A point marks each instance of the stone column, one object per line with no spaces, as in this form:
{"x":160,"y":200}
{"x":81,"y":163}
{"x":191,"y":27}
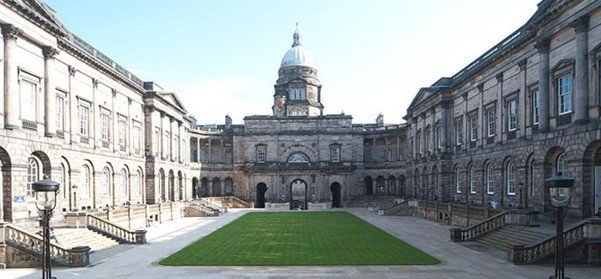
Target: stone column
{"x":523,"y":114}
{"x":12,"y":107}
{"x":73,"y":108}
{"x":433,"y":131}
{"x":500,"y":128}
{"x":162,"y":137}
{"x":581,"y":92}
{"x":49,"y":94}
{"x":171,"y":137}
{"x":198,"y":149}
{"x":543,"y":84}
{"x":444,"y":127}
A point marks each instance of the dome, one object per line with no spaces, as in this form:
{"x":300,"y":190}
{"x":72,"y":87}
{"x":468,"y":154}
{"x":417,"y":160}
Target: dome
{"x":298,"y":55}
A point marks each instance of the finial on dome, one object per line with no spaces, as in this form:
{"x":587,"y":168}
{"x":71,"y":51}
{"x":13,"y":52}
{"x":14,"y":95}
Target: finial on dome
{"x":296,"y":37}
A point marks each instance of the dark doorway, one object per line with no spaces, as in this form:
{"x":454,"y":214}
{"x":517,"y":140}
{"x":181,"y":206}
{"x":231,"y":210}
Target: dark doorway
{"x":261,"y":189}
{"x":335,"y":188}
{"x":195,"y":188}
{"x":369,"y":186}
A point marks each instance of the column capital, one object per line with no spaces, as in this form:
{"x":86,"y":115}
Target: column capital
{"x":499,"y":76}
{"x":49,"y":52}
{"x":72,"y":71}
{"x":95,"y":82}
{"x":522,"y":64}
{"x":10,"y":31}
{"x":542,"y":44}
{"x":580,"y":24}
{"x":480,"y":87}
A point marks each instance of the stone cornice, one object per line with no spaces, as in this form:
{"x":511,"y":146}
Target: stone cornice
{"x":68,"y":47}
{"x":35,"y":18}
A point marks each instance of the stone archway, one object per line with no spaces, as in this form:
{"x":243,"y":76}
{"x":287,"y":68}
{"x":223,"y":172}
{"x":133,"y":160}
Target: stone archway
{"x":336,"y":194}
{"x":591,"y":180}
{"x":260,"y":201}
{"x":5,"y":182}
{"x":216,"y":188}
{"x":298,"y":194}
{"x":195,"y":188}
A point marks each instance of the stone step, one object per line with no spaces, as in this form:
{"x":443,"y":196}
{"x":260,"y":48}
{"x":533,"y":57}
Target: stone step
{"x":70,"y":237}
{"x":507,"y":236}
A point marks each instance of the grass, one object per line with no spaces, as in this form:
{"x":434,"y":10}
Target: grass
{"x":298,"y":238}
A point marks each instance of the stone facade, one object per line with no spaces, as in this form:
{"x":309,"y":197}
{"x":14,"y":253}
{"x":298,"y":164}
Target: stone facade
{"x":490,"y":134}
{"x":526,"y":109}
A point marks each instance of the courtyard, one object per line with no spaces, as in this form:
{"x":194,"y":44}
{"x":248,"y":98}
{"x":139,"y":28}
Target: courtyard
{"x":300,"y":239}
{"x":457,"y":261}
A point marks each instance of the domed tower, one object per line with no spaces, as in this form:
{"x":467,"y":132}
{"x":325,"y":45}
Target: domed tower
{"x":297,"y":90}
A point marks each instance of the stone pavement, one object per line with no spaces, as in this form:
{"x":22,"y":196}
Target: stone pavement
{"x":458,"y":261}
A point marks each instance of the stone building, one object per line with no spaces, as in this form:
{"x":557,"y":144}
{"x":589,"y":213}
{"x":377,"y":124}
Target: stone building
{"x":298,"y":155}
{"x":78,"y":117}
{"x":525,"y":109}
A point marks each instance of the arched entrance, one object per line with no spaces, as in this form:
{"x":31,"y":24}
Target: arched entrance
{"x":5,"y":183}
{"x":204,"y":187}
{"x":591,"y":180}
{"x":335,"y":188}
{"x":298,"y":194}
{"x":380,"y":185}
{"x":261,"y":189}
{"x":216,"y":191}
{"x":369,"y":187}
{"x":195,"y":188}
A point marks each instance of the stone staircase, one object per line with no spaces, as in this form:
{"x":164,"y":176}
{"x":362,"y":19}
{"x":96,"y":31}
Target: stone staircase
{"x":72,"y":237}
{"x":507,"y":236}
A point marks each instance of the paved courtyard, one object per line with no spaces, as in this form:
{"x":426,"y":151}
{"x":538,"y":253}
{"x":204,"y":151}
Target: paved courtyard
{"x":458,"y":261}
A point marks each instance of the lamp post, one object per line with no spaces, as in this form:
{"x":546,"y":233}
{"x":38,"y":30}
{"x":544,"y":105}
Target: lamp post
{"x":45,"y":195}
{"x":560,"y":190}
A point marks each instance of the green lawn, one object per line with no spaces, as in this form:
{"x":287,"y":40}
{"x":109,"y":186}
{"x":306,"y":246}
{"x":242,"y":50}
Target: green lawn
{"x":298,"y":238}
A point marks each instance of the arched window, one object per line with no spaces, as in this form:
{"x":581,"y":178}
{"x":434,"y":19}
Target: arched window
{"x":531,"y":177}
{"x":86,"y":174}
{"x":137,"y":183}
{"x":298,"y":158}
{"x":457,"y":181}
{"x":123,"y":184}
{"x":560,"y":164}
{"x":33,"y":174}
{"x":510,"y":178}
{"x":471,"y":179}
{"x":490,"y":184}
{"x":106,"y":181}
{"x":62,"y":179}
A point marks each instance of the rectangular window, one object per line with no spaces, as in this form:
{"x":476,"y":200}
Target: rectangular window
{"x":438,"y":136}
{"x":459,"y":131}
{"x":564,"y":94}
{"x":135,"y":138}
{"x":298,"y":94}
{"x":104,"y":126}
{"x":60,"y":112}
{"x":491,"y":122}
{"x":176,"y":148}
{"x":28,"y":99}
{"x":418,"y":142}
{"x":121,"y":130}
{"x":473,"y":121}
{"x":427,"y":145}
{"x":156,"y":140}
{"x":166,"y":145}
{"x":84,"y":121}
{"x":512,"y":115}
{"x":535,"y":105}
{"x":261,"y":150}
{"x":335,"y":154}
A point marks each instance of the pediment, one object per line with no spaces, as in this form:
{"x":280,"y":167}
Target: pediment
{"x":173,"y":100}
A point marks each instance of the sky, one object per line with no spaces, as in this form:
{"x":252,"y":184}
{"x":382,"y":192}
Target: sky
{"x":222,"y":57}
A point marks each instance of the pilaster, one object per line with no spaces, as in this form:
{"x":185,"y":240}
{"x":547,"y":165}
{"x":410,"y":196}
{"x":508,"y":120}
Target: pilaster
{"x":12,"y":107}
{"x":581,"y":93}
{"x":49,"y":91}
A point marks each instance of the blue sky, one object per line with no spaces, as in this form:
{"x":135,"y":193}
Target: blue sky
{"x":222,"y":57}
